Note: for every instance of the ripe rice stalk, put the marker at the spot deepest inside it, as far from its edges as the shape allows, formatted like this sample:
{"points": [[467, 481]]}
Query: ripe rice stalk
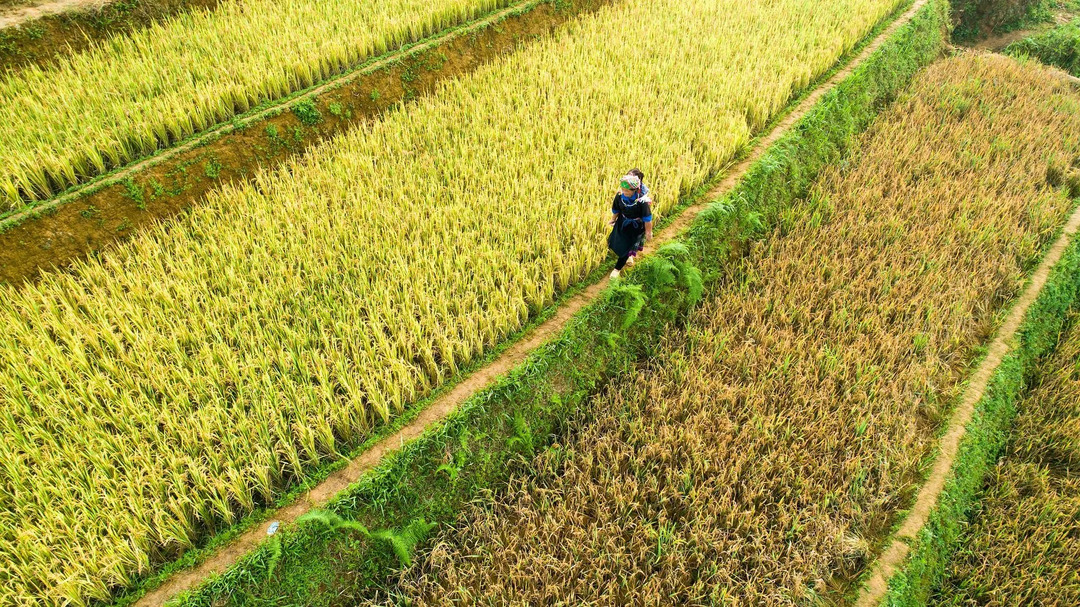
{"points": [[279, 322], [760, 457], [130, 95]]}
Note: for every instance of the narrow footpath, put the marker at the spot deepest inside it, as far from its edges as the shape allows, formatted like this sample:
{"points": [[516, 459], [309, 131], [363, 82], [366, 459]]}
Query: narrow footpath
{"points": [[483, 378]]}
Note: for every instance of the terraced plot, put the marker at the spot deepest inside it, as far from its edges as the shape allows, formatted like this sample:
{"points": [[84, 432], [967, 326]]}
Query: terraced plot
{"points": [[762, 456], [195, 372], [133, 94]]}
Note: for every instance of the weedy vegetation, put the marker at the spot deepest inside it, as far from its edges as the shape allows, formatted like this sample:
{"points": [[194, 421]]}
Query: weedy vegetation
{"points": [[1059, 47]]}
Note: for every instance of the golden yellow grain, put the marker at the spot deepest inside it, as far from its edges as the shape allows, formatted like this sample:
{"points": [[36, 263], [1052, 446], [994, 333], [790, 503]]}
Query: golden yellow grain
{"points": [[130, 95]]}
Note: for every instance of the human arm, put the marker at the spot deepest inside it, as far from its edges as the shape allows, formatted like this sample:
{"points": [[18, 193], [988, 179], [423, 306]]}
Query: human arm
{"points": [[647, 217]]}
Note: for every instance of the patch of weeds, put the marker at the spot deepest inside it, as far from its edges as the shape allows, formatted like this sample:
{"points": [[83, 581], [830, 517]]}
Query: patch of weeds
{"points": [[336, 110], [125, 225], [375, 95], [408, 75], [437, 61], [307, 113], [135, 193], [89, 212], [8, 46], [156, 189], [34, 32], [212, 168], [275, 136]]}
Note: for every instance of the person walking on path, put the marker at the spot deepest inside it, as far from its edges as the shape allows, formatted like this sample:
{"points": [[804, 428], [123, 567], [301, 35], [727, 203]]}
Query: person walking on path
{"points": [[631, 220]]}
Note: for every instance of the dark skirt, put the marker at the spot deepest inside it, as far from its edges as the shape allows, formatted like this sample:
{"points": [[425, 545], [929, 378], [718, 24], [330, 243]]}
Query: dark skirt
{"points": [[625, 241]]}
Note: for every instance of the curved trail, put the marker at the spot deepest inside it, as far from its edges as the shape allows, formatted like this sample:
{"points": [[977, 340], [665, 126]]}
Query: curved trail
{"points": [[21, 14], [899, 545], [441, 408]]}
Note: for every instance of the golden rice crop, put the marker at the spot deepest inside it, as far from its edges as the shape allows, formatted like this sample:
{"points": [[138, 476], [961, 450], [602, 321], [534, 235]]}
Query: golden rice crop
{"points": [[759, 458], [132, 94], [193, 372], [1024, 548]]}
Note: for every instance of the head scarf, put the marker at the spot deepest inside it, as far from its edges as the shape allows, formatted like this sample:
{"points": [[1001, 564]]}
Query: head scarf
{"points": [[630, 182]]}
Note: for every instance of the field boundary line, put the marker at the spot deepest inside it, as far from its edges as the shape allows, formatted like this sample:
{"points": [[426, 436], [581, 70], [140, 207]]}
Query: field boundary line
{"points": [[876, 587], [277, 107], [484, 377]]}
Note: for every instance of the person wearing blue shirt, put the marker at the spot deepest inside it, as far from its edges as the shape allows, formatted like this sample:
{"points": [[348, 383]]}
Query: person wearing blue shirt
{"points": [[631, 220]]}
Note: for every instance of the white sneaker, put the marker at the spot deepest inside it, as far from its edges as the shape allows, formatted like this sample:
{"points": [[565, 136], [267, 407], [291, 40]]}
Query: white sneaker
{"points": [[614, 273], [631, 261]]}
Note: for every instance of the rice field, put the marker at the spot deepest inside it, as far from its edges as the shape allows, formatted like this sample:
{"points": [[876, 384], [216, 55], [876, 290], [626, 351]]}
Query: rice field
{"points": [[762, 455], [1024, 545], [162, 391], [130, 95]]}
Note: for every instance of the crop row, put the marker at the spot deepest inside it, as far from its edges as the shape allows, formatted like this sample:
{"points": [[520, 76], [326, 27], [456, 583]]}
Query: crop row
{"points": [[130, 95], [194, 372], [762, 454]]}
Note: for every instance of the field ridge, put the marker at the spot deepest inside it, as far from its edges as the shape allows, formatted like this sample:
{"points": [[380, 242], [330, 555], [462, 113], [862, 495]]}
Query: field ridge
{"points": [[484, 377]]}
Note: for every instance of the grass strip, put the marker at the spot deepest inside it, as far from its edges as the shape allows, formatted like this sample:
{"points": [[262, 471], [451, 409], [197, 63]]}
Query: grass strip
{"points": [[1059, 47], [492, 436]]}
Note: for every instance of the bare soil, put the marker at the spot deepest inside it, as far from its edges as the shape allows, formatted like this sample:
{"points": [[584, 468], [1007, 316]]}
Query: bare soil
{"points": [[441, 408], [72, 226], [1003, 342]]}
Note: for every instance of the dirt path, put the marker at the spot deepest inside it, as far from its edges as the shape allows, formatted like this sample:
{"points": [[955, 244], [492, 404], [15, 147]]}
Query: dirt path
{"points": [[997, 42], [486, 376], [899, 545], [11, 17]]}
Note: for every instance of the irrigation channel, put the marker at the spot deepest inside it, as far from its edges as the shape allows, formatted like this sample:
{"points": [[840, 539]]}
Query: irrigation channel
{"points": [[86, 218], [898, 547], [484, 377]]}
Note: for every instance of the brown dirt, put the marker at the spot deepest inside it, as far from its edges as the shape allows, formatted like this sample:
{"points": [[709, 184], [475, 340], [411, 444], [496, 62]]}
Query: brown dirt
{"points": [[74, 225], [442, 407], [893, 556]]}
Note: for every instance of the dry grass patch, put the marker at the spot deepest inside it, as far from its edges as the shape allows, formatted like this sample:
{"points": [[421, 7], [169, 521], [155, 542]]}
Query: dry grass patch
{"points": [[761, 457]]}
